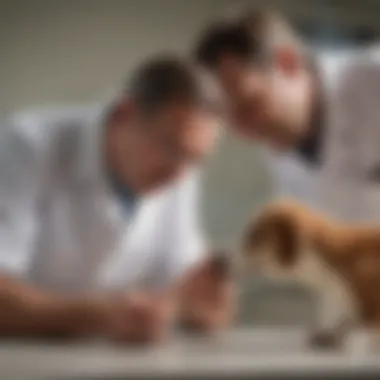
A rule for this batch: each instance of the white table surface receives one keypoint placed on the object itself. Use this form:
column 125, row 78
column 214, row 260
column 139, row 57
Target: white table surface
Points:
column 244, row 351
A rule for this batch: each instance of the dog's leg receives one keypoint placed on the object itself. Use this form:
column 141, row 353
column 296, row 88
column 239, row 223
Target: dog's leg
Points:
column 337, row 315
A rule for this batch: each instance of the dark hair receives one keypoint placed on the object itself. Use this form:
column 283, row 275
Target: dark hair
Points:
column 165, row 79
column 243, row 37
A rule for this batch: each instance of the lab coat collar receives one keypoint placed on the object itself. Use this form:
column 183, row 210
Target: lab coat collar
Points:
column 94, row 174
column 94, row 160
column 92, row 167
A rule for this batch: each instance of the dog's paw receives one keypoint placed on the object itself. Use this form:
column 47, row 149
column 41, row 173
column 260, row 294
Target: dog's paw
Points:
column 324, row 339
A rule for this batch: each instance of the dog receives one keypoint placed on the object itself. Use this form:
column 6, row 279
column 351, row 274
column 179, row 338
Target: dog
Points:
column 340, row 262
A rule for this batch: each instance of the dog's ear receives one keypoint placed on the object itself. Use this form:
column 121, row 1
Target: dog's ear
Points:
column 253, row 236
column 278, row 229
column 287, row 240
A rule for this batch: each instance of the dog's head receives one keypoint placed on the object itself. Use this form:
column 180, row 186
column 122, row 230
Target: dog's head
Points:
column 272, row 243
column 278, row 244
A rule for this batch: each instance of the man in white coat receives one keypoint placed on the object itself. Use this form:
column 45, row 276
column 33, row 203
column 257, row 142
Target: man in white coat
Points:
column 99, row 231
column 318, row 113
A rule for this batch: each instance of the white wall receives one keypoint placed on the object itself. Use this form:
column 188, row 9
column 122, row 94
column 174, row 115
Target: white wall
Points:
column 74, row 50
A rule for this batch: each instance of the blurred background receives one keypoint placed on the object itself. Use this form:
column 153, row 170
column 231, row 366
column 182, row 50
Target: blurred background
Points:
column 79, row 51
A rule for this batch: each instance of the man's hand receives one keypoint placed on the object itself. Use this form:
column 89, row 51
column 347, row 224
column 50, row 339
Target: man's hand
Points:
column 29, row 311
column 141, row 318
column 207, row 296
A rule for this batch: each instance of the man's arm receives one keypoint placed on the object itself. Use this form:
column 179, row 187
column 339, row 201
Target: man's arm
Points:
column 28, row 311
column 24, row 309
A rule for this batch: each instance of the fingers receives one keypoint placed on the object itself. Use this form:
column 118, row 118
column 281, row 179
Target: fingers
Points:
column 208, row 297
column 217, row 284
column 141, row 319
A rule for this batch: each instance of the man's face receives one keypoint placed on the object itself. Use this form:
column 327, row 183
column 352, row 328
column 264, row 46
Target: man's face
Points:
column 262, row 103
column 173, row 139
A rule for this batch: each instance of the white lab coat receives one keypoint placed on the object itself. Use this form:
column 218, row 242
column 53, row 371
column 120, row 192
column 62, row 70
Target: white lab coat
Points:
column 342, row 184
column 60, row 225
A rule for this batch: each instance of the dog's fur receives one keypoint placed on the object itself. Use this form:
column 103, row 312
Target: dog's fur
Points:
column 341, row 262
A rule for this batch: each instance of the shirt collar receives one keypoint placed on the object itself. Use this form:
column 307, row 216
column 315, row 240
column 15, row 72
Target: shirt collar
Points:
column 92, row 163
column 123, row 192
column 94, row 159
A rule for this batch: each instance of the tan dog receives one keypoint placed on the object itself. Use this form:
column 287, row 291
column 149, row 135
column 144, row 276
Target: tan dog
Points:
column 340, row 262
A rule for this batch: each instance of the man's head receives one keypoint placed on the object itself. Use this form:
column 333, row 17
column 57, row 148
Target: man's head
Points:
column 163, row 124
column 263, row 69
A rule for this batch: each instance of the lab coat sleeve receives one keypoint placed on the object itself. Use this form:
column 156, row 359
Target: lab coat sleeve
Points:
column 356, row 103
column 186, row 245
column 19, row 178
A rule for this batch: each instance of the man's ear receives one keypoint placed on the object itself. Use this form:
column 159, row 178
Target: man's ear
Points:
column 288, row 59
